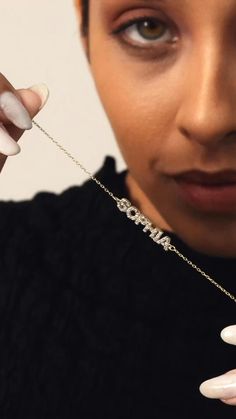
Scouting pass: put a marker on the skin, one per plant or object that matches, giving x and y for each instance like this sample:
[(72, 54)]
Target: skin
[(29, 99), (172, 108), (232, 401)]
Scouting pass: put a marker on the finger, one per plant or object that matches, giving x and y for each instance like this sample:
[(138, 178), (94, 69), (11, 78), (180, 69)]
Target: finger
[(228, 334), (222, 387), (14, 110), (231, 401), (11, 105), (33, 102), (17, 109), (8, 146)]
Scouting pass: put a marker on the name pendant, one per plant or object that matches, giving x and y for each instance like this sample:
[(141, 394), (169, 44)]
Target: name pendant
[(135, 215)]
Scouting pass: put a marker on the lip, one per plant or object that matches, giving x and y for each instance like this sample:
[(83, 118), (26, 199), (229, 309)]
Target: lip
[(214, 198), (210, 178)]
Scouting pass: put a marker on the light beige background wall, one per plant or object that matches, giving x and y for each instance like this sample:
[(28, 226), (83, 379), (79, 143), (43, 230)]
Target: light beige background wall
[(40, 43)]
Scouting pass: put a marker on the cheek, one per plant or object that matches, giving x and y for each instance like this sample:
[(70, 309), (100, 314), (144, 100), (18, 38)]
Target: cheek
[(141, 116), (138, 99), (140, 109)]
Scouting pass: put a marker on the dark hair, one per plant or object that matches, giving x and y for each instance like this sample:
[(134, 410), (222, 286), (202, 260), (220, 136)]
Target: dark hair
[(85, 17)]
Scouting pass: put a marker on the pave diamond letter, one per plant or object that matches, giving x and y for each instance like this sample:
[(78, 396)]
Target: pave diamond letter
[(157, 237), (152, 229), (165, 242), (142, 220), (123, 204), (132, 213), (135, 215)]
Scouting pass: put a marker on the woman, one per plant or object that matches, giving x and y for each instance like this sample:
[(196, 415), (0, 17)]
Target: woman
[(96, 320)]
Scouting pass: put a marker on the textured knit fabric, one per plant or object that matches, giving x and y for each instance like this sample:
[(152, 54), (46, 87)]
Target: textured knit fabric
[(98, 321)]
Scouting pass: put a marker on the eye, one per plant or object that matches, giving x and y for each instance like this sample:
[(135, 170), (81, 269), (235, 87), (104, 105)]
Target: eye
[(147, 31)]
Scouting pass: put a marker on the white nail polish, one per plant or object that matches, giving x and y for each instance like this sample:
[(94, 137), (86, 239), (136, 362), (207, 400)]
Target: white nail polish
[(228, 334), (222, 387), (42, 91), (15, 110), (8, 146)]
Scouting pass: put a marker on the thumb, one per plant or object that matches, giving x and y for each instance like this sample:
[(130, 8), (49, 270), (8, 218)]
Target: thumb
[(34, 98)]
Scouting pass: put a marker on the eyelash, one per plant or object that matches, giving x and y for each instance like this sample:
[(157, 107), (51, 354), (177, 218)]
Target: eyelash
[(134, 22)]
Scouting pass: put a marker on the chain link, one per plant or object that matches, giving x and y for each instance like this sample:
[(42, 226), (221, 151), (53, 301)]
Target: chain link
[(76, 162), (171, 247)]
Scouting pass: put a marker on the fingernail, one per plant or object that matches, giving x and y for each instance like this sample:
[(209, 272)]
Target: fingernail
[(222, 387), (228, 334), (42, 91), (8, 145), (15, 110)]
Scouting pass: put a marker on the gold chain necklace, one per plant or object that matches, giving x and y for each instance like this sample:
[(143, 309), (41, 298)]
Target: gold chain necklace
[(124, 205)]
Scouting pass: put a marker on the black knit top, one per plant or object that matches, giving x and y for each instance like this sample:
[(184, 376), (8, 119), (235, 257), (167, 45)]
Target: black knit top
[(98, 321)]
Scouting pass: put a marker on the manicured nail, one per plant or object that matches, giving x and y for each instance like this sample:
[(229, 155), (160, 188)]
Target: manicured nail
[(8, 145), (42, 91), (15, 110), (228, 334), (222, 387)]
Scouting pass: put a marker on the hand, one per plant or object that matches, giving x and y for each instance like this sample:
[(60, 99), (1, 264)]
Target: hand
[(17, 108), (223, 387)]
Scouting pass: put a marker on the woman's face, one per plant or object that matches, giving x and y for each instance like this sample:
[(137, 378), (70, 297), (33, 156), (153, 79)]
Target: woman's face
[(168, 86)]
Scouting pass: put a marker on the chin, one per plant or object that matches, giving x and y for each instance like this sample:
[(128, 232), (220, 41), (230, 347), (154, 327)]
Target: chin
[(210, 245)]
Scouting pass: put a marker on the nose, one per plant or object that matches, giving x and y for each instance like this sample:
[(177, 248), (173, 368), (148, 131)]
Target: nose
[(207, 111)]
